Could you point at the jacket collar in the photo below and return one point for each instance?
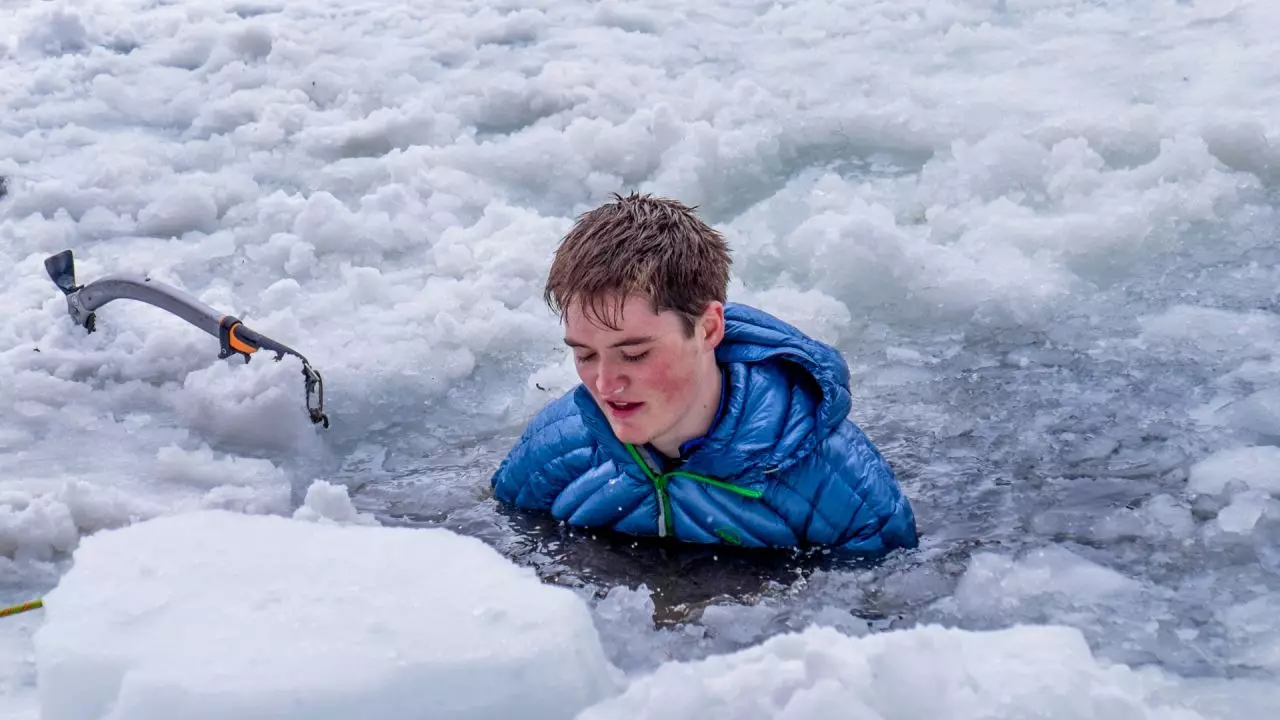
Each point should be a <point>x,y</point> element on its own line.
<point>782,394</point>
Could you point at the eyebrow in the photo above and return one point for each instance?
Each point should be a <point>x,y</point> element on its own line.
<point>624,342</point>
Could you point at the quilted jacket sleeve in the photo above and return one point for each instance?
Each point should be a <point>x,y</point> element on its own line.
<point>882,519</point>
<point>845,495</point>
<point>545,459</point>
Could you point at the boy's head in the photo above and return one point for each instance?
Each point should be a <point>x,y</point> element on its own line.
<point>642,245</point>
<point>641,284</point>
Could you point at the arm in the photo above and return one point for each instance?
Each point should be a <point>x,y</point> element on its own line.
<point>883,522</point>
<point>539,465</point>
<point>845,495</point>
<point>883,519</point>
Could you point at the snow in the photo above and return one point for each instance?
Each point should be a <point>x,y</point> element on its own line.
<point>225,615</point>
<point>1043,234</point>
<point>217,614</point>
<point>328,503</point>
<point>1043,672</point>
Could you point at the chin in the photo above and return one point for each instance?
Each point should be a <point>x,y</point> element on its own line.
<point>631,435</point>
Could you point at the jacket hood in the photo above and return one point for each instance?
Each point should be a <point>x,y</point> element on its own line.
<point>785,394</point>
<point>754,336</point>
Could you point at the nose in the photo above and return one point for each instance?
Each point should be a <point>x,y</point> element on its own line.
<point>609,381</point>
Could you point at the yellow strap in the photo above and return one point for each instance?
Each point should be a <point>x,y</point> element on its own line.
<point>33,605</point>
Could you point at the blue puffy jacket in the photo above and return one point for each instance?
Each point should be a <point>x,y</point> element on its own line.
<point>783,466</point>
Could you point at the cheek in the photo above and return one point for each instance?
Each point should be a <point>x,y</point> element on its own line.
<point>671,384</point>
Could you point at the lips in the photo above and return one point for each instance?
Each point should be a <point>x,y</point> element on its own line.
<point>623,409</point>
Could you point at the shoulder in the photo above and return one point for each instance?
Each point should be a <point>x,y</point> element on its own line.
<point>844,463</point>
<point>770,419</point>
<point>858,462</point>
<point>555,447</point>
<point>850,494</point>
<point>556,429</point>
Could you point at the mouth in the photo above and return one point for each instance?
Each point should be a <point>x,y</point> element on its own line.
<point>623,409</point>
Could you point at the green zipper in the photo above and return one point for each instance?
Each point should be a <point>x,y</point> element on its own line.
<point>666,523</point>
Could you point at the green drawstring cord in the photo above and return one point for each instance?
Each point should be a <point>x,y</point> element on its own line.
<point>666,523</point>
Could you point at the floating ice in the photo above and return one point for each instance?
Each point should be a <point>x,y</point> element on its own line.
<point>926,672</point>
<point>1253,629</point>
<point>224,615</point>
<point>1213,333</point>
<point>329,503</point>
<point>976,201</point>
<point>1243,513</point>
<point>1256,468</point>
<point>995,585</point>
<point>1259,413</point>
<point>1161,517</point>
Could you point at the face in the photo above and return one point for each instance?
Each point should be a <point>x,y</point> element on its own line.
<point>650,379</point>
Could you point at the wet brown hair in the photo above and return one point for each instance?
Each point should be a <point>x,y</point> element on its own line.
<point>640,244</point>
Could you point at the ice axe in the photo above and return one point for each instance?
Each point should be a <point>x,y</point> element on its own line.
<point>234,337</point>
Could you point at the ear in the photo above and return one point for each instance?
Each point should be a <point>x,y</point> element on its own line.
<point>711,324</point>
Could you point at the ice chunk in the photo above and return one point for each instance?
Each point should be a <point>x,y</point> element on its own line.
<point>1256,468</point>
<point>35,528</point>
<point>1160,518</point>
<point>1212,332</point>
<point>624,618</point>
<point>1092,449</point>
<point>55,32</point>
<point>1244,512</point>
<point>1254,632</point>
<point>17,669</point>
<point>177,211</point>
<point>739,624</point>
<point>202,468</point>
<point>926,672</point>
<point>1259,413</point>
<point>329,503</point>
<point>994,584</point>
<point>221,615</point>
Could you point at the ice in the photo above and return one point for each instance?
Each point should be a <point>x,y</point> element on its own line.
<point>20,582</point>
<point>1162,517</point>
<point>1256,468</point>
<point>35,528</point>
<point>225,615</point>
<point>1214,332</point>
<point>930,671</point>
<point>328,503</point>
<point>54,32</point>
<point>1043,234</point>
<point>1259,413</point>
<point>17,663</point>
<point>177,212</point>
<point>625,620</point>
<point>995,585</point>
<point>1252,628</point>
<point>1243,513</point>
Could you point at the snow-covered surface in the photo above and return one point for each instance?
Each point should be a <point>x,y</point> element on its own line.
<point>926,672</point>
<point>216,614</point>
<point>226,615</point>
<point>1044,234</point>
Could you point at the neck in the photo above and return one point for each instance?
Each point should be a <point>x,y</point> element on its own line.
<point>697,421</point>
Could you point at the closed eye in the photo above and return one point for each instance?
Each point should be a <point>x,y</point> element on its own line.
<point>635,358</point>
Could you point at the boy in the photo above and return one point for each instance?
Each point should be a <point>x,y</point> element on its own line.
<point>697,419</point>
